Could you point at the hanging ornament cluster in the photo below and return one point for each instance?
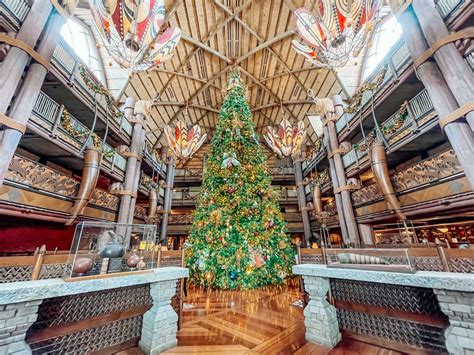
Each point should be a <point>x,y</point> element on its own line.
<point>229,161</point>
<point>338,31</point>
<point>182,141</point>
<point>131,32</point>
<point>285,140</point>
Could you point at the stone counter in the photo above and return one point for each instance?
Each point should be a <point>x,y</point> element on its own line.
<point>406,303</point>
<point>20,303</point>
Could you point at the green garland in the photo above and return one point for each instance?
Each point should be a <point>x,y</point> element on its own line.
<point>387,130</point>
<point>101,90</point>
<point>371,85</point>
<point>66,124</point>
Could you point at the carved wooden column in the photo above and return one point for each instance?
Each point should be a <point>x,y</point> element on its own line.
<point>168,199</point>
<point>12,69</point>
<point>142,111</point>
<point>454,68</point>
<point>302,201</point>
<point>131,162</point>
<point>335,186</point>
<point>90,175</point>
<point>152,205</point>
<point>458,132</point>
<point>348,212</point>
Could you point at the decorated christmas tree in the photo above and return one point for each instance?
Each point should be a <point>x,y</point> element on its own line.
<point>238,237</point>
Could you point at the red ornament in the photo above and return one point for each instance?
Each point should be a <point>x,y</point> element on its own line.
<point>230,190</point>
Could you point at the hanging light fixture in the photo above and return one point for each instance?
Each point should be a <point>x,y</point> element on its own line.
<point>338,31</point>
<point>130,30</point>
<point>182,141</point>
<point>285,139</point>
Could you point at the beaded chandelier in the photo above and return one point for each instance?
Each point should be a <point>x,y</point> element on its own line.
<point>285,140</point>
<point>130,30</point>
<point>182,141</point>
<point>338,31</point>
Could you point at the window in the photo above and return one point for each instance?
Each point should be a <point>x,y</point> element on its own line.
<point>79,38</point>
<point>387,34</point>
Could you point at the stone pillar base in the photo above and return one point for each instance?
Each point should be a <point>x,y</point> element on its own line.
<point>459,307</point>
<point>160,323</point>
<point>15,319</point>
<point>319,316</point>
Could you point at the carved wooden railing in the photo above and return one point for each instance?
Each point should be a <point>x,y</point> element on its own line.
<point>30,175</point>
<point>14,13</point>
<point>424,173</point>
<point>48,114</point>
<point>424,259</point>
<point>404,124</point>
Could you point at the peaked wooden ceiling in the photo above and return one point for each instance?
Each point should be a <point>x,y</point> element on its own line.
<point>255,36</point>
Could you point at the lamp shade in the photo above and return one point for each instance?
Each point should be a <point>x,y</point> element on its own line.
<point>130,31</point>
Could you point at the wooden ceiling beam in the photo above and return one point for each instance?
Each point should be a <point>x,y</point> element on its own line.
<point>266,44</point>
<point>199,44</point>
<point>183,75</point>
<point>288,103</point>
<point>192,97</point>
<point>181,103</point>
<point>219,26</point>
<point>260,39</point>
<point>268,91</point>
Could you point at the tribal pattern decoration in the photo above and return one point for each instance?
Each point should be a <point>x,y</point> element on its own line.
<point>338,31</point>
<point>131,32</point>
<point>184,142</point>
<point>285,139</point>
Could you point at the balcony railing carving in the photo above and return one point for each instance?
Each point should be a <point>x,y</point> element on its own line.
<point>27,172</point>
<point>425,172</point>
<point>105,200</point>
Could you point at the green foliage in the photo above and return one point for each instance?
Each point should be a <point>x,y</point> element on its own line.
<point>238,238</point>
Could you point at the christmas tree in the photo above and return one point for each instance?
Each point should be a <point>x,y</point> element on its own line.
<point>238,238</point>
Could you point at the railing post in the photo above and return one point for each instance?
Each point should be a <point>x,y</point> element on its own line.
<point>57,120</point>
<point>442,256</point>
<point>35,274</point>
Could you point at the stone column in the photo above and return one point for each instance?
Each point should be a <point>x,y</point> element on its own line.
<point>454,68</point>
<point>15,319</point>
<point>160,323</point>
<point>302,202</point>
<point>319,315</point>
<point>459,307</point>
<point>25,99</point>
<point>348,212</point>
<point>168,199</point>
<point>367,235</point>
<point>458,132</point>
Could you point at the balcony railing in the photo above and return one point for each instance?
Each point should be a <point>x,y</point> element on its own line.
<point>30,175</point>
<point>15,10</point>
<point>422,174</point>
<point>48,115</point>
<point>418,113</point>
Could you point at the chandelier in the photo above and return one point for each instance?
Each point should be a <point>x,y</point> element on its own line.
<point>338,31</point>
<point>284,139</point>
<point>130,30</point>
<point>182,141</point>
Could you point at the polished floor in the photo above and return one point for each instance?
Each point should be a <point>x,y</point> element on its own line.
<point>251,322</point>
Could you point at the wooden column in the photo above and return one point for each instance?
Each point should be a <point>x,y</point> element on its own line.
<point>90,175</point>
<point>458,132</point>
<point>16,59</point>
<point>348,212</point>
<point>454,68</point>
<point>136,182</point>
<point>302,202</point>
<point>152,205</point>
<point>335,185</point>
<point>168,199</point>
<point>367,235</point>
<point>131,163</point>
<point>25,99</point>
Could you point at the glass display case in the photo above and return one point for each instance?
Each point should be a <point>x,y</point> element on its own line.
<point>101,249</point>
<point>395,260</point>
